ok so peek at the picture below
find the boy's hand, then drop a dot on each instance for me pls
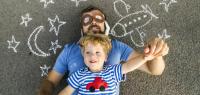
(156, 48)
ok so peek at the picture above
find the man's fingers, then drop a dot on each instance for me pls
(153, 46)
(159, 46)
(164, 51)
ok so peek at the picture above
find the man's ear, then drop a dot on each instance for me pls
(81, 32)
(107, 28)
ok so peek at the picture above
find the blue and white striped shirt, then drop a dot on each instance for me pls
(112, 75)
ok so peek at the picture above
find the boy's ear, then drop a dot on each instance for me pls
(107, 28)
(106, 58)
(82, 51)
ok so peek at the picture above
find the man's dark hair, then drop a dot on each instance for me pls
(91, 8)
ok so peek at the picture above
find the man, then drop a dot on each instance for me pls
(93, 21)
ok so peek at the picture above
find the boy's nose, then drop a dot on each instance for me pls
(93, 55)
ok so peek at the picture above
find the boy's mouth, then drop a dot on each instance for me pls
(93, 61)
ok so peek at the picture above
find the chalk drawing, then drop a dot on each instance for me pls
(44, 70)
(132, 22)
(167, 3)
(33, 38)
(164, 35)
(54, 46)
(27, 0)
(77, 2)
(13, 44)
(53, 24)
(126, 6)
(25, 19)
(47, 2)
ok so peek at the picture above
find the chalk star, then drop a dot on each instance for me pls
(13, 44)
(54, 46)
(77, 2)
(164, 35)
(46, 2)
(45, 70)
(25, 19)
(53, 24)
(166, 3)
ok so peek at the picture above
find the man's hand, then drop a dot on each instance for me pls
(156, 48)
(48, 84)
(46, 88)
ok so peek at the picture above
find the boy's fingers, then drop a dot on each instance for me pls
(146, 51)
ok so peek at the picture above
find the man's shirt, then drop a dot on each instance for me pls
(71, 59)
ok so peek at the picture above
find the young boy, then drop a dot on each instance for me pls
(98, 79)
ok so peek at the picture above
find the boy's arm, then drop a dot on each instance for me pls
(133, 63)
(67, 91)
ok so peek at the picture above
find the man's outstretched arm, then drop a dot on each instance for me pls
(49, 83)
(159, 49)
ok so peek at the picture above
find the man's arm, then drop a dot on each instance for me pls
(67, 91)
(158, 48)
(49, 83)
(154, 67)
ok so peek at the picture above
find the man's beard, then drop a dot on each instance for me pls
(94, 29)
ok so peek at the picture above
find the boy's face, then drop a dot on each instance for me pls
(94, 57)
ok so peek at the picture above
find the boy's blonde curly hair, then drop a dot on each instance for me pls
(95, 39)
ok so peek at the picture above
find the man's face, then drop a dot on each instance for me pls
(94, 57)
(93, 22)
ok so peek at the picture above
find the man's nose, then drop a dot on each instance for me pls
(94, 22)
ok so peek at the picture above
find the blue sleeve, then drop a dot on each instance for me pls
(117, 69)
(125, 52)
(61, 62)
(124, 49)
(73, 80)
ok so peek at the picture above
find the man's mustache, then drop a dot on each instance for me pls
(90, 27)
(90, 31)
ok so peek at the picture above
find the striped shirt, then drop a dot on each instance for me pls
(111, 75)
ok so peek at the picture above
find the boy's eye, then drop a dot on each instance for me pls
(98, 53)
(87, 52)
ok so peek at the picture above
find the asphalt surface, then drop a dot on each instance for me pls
(20, 71)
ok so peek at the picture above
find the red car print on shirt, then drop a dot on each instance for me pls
(98, 83)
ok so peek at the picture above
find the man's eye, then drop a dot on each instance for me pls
(86, 20)
(99, 17)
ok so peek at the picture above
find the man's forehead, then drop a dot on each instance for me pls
(94, 12)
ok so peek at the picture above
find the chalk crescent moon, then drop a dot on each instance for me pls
(36, 50)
